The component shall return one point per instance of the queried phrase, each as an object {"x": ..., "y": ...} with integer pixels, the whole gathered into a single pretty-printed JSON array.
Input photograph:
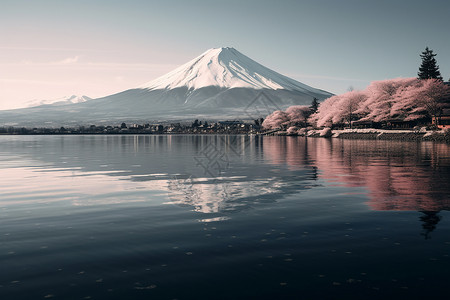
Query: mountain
[
  {"x": 225, "y": 68},
  {"x": 59, "y": 101},
  {"x": 221, "y": 83}
]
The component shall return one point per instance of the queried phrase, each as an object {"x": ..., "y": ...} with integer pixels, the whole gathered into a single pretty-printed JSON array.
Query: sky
[{"x": 51, "y": 49}]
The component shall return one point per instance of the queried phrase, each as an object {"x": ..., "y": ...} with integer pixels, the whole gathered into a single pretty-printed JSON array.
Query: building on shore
[{"x": 443, "y": 120}]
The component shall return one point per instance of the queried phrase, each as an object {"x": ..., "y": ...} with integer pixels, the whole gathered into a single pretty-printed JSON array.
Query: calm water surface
[{"x": 222, "y": 217}]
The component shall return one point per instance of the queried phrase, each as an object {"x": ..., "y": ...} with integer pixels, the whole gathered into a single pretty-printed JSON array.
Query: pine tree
[
  {"x": 314, "y": 105},
  {"x": 429, "y": 68}
]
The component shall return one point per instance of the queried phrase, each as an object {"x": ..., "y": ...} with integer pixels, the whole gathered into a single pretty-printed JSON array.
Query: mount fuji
[
  {"x": 225, "y": 68},
  {"x": 220, "y": 84}
]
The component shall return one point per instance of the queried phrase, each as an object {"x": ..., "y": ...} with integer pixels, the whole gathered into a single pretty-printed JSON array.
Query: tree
[
  {"x": 258, "y": 122},
  {"x": 276, "y": 120},
  {"x": 431, "y": 95},
  {"x": 351, "y": 104},
  {"x": 296, "y": 115},
  {"x": 314, "y": 105},
  {"x": 261, "y": 120},
  {"x": 429, "y": 68},
  {"x": 326, "y": 112},
  {"x": 123, "y": 125},
  {"x": 383, "y": 96},
  {"x": 406, "y": 99},
  {"x": 339, "y": 109}
]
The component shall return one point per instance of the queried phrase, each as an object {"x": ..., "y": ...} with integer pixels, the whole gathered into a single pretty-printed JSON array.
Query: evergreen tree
[
  {"x": 259, "y": 121},
  {"x": 314, "y": 105},
  {"x": 429, "y": 68}
]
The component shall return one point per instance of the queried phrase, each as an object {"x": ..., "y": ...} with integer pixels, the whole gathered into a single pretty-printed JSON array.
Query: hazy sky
[{"x": 50, "y": 49}]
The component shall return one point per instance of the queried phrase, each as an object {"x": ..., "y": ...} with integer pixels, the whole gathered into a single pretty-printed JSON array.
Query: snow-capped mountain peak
[
  {"x": 226, "y": 68},
  {"x": 220, "y": 84},
  {"x": 59, "y": 101}
]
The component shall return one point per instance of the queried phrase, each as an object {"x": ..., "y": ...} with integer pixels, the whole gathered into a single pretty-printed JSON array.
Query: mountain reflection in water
[
  {"x": 237, "y": 217},
  {"x": 396, "y": 175}
]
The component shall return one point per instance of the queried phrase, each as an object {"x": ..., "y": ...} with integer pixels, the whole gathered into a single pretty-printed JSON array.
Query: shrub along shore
[{"x": 380, "y": 134}]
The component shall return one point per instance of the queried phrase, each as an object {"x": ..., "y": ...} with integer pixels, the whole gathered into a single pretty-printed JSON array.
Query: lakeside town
[
  {"x": 197, "y": 127},
  {"x": 437, "y": 129}
]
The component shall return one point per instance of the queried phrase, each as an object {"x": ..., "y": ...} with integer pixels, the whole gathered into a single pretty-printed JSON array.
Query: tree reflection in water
[
  {"x": 430, "y": 219},
  {"x": 400, "y": 176}
]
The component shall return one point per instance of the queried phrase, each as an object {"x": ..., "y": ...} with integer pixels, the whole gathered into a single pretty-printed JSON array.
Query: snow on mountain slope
[
  {"x": 226, "y": 68},
  {"x": 59, "y": 101}
]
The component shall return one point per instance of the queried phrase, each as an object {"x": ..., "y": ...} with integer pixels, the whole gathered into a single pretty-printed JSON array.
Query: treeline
[
  {"x": 407, "y": 101},
  {"x": 196, "y": 127}
]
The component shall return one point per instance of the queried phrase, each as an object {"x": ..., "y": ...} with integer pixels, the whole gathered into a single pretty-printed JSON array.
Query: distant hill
[{"x": 59, "y": 101}]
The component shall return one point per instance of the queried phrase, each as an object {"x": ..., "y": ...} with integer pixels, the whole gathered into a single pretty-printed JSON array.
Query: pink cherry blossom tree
[
  {"x": 381, "y": 96},
  {"x": 402, "y": 98},
  {"x": 340, "y": 109},
  {"x": 275, "y": 120},
  {"x": 431, "y": 95},
  {"x": 296, "y": 115},
  {"x": 352, "y": 106},
  {"x": 325, "y": 112}
]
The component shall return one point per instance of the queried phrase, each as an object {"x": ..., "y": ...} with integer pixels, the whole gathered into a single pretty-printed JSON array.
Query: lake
[{"x": 222, "y": 217}]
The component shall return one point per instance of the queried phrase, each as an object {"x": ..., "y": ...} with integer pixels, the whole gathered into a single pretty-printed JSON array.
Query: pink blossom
[
  {"x": 294, "y": 115},
  {"x": 275, "y": 120},
  {"x": 340, "y": 109},
  {"x": 402, "y": 98}
]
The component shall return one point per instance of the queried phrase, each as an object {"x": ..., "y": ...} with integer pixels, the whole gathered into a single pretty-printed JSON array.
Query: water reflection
[
  {"x": 396, "y": 175},
  {"x": 232, "y": 194},
  {"x": 83, "y": 215},
  {"x": 401, "y": 176},
  {"x": 429, "y": 221},
  {"x": 97, "y": 170}
]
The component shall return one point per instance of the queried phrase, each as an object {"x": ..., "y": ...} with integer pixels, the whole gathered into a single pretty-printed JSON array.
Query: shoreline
[
  {"x": 351, "y": 134},
  {"x": 380, "y": 134}
]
